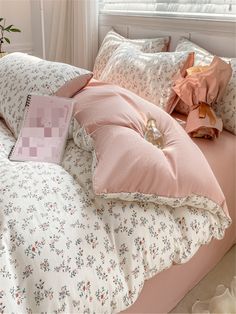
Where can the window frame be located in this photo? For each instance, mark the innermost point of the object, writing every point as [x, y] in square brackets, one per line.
[170, 15]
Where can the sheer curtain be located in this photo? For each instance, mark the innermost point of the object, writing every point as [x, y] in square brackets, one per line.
[73, 35]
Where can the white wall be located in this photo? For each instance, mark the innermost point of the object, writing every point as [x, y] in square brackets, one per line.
[18, 12]
[25, 14]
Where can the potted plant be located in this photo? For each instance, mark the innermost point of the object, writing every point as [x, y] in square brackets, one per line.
[3, 29]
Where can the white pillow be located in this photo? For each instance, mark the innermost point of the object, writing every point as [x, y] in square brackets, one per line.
[22, 74]
[226, 107]
[148, 75]
[113, 40]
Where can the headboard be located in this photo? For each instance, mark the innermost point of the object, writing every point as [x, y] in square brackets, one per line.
[218, 37]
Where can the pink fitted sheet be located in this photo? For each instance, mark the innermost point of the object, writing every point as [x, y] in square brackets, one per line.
[161, 293]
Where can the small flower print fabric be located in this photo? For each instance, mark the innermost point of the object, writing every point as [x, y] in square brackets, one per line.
[22, 75]
[149, 75]
[113, 40]
[65, 250]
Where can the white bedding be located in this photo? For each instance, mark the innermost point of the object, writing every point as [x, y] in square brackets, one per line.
[63, 250]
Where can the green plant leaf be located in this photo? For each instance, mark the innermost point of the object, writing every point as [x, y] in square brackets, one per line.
[1, 19]
[8, 28]
[7, 40]
[15, 30]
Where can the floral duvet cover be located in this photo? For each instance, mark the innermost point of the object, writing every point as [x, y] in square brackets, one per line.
[65, 250]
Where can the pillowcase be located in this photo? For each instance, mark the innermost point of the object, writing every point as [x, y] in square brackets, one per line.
[113, 40]
[24, 74]
[226, 107]
[202, 56]
[149, 75]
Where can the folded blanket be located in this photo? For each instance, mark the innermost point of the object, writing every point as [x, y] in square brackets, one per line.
[112, 122]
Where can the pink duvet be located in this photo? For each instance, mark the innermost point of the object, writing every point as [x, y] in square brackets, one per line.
[111, 122]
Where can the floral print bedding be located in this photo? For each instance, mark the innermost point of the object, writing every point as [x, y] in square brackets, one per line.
[113, 40]
[65, 250]
[24, 74]
[149, 75]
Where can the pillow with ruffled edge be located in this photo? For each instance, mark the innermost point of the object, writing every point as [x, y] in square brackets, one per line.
[149, 75]
[24, 74]
[113, 40]
[226, 107]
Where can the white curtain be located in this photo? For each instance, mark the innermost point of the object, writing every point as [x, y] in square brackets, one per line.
[73, 33]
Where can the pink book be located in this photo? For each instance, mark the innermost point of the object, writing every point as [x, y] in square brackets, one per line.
[44, 129]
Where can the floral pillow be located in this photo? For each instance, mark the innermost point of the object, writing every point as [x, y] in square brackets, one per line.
[226, 107]
[149, 75]
[23, 74]
[113, 40]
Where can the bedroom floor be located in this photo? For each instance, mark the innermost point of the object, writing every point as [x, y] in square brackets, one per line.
[221, 274]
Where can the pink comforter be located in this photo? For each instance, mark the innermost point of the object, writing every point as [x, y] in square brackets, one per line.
[111, 123]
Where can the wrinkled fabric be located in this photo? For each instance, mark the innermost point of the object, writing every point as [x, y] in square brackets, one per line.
[204, 87]
[111, 123]
[65, 250]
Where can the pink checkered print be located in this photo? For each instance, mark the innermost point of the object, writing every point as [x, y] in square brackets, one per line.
[44, 130]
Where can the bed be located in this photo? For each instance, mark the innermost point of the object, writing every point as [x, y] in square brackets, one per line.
[40, 246]
[162, 293]
[64, 249]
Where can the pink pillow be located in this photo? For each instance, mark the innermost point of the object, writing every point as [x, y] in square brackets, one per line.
[111, 122]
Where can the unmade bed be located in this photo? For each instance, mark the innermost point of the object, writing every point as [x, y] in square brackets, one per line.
[161, 293]
[63, 249]
[84, 236]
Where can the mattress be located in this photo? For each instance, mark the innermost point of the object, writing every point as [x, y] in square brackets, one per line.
[162, 293]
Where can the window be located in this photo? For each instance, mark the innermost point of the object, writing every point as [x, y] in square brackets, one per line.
[209, 9]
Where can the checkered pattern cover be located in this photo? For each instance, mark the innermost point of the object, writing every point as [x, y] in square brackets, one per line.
[44, 130]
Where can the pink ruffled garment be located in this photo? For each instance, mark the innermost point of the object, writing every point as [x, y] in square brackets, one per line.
[200, 91]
